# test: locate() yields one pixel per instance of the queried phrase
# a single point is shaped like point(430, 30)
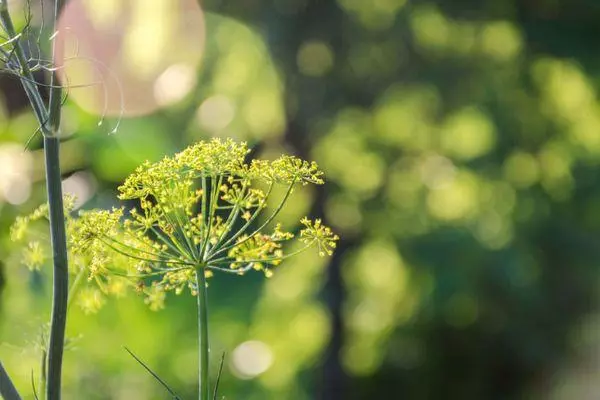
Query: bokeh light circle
point(129, 57)
point(251, 359)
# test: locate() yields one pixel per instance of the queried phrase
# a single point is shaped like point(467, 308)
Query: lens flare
point(113, 55)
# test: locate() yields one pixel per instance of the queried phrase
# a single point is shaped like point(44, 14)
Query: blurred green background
point(461, 144)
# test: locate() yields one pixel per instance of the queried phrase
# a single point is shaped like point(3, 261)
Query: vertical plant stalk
point(203, 348)
point(7, 389)
point(49, 120)
point(58, 237)
point(60, 292)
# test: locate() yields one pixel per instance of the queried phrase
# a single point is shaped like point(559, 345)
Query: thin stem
point(237, 271)
point(154, 375)
point(47, 85)
point(55, 101)
point(233, 214)
point(214, 196)
point(204, 203)
point(149, 274)
point(135, 249)
point(172, 237)
point(9, 41)
point(229, 260)
point(203, 348)
point(170, 242)
point(7, 388)
point(182, 221)
point(177, 228)
point(60, 294)
point(75, 286)
point(178, 225)
point(33, 94)
point(43, 363)
point(215, 393)
point(228, 245)
point(142, 258)
point(35, 394)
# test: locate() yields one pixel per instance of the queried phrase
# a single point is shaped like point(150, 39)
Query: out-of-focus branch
point(7, 389)
point(33, 94)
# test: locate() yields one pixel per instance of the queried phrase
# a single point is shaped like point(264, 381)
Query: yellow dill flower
point(217, 157)
point(90, 300)
point(117, 286)
point(19, 229)
point(205, 208)
point(155, 297)
point(321, 235)
point(292, 169)
point(34, 256)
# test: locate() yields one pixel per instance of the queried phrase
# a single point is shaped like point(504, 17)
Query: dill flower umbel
point(36, 253)
point(204, 209)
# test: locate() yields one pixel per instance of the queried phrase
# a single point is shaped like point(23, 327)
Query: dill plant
point(14, 61)
point(197, 214)
point(200, 212)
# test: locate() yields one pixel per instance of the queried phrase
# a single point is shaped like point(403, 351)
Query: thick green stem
point(203, 348)
point(58, 240)
point(7, 389)
point(58, 237)
point(49, 120)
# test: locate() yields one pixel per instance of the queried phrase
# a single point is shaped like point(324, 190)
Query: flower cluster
point(204, 209)
point(29, 231)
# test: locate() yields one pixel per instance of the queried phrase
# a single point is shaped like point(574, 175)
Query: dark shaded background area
point(461, 141)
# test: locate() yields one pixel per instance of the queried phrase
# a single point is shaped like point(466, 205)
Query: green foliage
point(461, 149)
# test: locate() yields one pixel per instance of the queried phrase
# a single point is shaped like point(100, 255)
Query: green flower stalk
point(204, 211)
